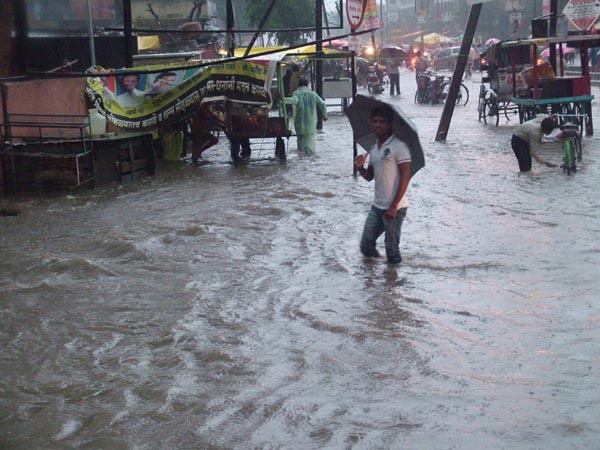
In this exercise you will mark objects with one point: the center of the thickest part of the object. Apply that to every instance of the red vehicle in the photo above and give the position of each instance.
(376, 80)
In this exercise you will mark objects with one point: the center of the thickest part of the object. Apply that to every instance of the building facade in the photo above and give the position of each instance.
(503, 19)
(404, 17)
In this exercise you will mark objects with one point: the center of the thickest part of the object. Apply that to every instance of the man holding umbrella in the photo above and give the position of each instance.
(390, 167)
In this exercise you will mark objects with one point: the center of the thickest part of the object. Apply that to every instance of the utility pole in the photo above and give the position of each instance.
(319, 50)
(459, 70)
(552, 31)
(230, 37)
(383, 37)
(90, 22)
(20, 48)
(514, 21)
(127, 31)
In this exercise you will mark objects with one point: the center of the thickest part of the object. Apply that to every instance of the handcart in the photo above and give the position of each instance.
(521, 83)
(245, 122)
(504, 66)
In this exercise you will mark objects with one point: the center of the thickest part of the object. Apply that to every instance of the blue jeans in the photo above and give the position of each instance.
(377, 224)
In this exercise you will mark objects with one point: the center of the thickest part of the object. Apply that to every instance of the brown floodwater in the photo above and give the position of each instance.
(228, 307)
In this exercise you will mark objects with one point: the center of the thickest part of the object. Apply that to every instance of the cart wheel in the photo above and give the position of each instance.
(280, 149)
(235, 150)
(491, 109)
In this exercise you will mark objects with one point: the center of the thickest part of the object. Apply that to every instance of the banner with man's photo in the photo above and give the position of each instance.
(146, 98)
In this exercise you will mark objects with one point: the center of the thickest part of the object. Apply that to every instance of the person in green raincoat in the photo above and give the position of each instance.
(306, 103)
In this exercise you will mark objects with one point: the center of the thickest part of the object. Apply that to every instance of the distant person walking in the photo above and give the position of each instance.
(394, 75)
(287, 90)
(287, 78)
(306, 104)
(594, 56)
(420, 64)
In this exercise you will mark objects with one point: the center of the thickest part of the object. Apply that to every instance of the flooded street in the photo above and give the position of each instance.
(228, 307)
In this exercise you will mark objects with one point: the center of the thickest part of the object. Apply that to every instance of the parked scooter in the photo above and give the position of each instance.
(374, 83)
(375, 80)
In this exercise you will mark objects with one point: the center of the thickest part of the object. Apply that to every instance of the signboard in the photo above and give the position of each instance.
(355, 11)
(513, 5)
(354, 43)
(546, 7)
(472, 2)
(140, 99)
(371, 23)
(582, 13)
(504, 84)
(515, 18)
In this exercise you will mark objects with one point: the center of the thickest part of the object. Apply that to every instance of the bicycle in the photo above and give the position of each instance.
(424, 81)
(489, 106)
(437, 94)
(462, 98)
(570, 136)
(433, 88)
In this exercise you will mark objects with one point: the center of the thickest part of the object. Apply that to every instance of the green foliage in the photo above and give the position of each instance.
(286, 14)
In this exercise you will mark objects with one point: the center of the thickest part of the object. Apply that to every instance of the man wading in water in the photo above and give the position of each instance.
(389, 166)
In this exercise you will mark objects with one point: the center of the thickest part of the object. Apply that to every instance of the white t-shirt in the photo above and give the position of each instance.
(385, 161)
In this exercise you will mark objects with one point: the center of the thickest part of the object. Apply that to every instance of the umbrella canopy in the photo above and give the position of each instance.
(393, 51)
(361, 62)
(433, 38)
(336, 43)
(566, 50)
(359, 115)
(491, 41)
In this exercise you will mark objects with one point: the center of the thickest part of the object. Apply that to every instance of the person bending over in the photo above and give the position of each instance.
(526, 140)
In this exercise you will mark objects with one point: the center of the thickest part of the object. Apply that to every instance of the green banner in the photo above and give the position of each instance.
(146, 98)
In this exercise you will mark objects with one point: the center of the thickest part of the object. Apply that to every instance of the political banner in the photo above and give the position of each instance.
(146, 98)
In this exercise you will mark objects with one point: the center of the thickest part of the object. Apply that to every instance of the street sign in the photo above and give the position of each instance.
(354, 43)
(515, 18)
(371, 23)
(472, 2)
(582, 13)
(355, 11)
(513, 5)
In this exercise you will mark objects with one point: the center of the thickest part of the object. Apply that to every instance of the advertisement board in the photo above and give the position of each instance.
(355, 11)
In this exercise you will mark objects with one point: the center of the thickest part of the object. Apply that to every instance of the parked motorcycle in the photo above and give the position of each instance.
(375, 83)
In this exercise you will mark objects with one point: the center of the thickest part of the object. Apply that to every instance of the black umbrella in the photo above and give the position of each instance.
(361, 62)
(359, 114)
(393, 52)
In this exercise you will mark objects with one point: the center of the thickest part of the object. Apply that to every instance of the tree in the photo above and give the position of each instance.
(286, 14)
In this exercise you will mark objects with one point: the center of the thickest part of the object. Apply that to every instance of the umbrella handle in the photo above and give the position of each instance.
(364, 157)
